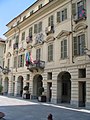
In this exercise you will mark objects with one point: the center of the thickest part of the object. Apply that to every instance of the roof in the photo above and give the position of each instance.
(2, 40)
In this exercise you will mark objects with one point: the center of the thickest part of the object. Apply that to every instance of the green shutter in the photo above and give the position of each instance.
(74, 9)
(39, 27)
(83, 42)
(62, 49)
(75, 48)
(52, 20)
(58, 17)
(35, 28)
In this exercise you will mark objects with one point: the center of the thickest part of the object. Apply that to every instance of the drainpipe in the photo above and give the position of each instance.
(72, 33)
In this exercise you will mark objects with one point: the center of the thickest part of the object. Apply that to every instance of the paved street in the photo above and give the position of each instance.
(18, 109)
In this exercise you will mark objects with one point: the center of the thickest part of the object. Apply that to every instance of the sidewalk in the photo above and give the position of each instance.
(61, 105)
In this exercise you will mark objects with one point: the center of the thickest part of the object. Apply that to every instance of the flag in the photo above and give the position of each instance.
(27, 59)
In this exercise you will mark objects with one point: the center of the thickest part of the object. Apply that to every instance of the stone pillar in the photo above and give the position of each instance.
(16, 86)
(24, 81)
(10, 88)
(88, 94)
(54, 91)
(74, 92)
(3, 84)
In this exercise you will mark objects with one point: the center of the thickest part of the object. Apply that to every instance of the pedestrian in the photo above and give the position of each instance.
(1, 115)
(50, 117)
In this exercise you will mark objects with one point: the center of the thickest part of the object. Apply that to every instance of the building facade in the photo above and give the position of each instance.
(2, 48)
(48, 45)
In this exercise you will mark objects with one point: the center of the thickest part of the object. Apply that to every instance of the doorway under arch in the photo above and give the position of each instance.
(20, 86)
(37, 83)
(64, 87)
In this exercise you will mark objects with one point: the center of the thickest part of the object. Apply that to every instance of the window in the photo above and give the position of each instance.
(4, 48)
(50, 53)
(49, 75)
(23, 36)
(40, 6)
(13, 78)
(64, 49)
(24, 17)
(79, 9)
(50, 0)
(10, 43)
(38, 28)
(61, 15)
(21, 61)
(79, 45)
(28, 76)
(8, 63)
(38, 52)
(50, 21)
(30, 31)
(82, 73)
(64, 14)
(35, 28)
(17, 38)
(58, 17)
(15, 62)
(18, 22)
(31, 12)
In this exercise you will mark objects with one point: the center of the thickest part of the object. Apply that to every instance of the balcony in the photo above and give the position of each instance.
(29, 39)
(37, 65)
(49, 30)
(5, 70)
(80, 16)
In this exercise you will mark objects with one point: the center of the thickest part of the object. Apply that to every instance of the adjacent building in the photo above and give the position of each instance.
(48, 45)
(2, 50)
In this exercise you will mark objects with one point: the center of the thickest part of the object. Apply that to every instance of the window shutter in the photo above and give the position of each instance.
(75, 46)
(65, 48)
(65, 13)
(49, 21)
(30, 31)
(62, 49)
(58, 17)
(35, 28)
(83, 42)
(39, 27)
(74, 9)
(52, 20)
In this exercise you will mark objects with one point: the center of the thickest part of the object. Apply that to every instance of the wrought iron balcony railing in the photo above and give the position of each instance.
(36, 65)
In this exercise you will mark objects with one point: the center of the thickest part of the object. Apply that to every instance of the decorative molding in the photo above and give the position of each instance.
(80, 26)
(50, 38)
(29, 46)
(21, 50)
(63, 33)
(39, 38)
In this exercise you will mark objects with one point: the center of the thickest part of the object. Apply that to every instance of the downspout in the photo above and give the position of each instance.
(72, 32)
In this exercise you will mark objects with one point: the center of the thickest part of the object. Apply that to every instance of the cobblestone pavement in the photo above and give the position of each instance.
(19, 109)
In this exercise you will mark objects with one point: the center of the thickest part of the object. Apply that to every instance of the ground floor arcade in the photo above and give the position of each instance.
(62, 85)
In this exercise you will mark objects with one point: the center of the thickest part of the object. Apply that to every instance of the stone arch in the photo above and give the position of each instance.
(20, 85)
(63, 33)
(6, 85)
(64, 87)
(37, 82)
(79, 27)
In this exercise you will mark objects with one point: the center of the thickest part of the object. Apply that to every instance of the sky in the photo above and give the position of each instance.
(9, 9)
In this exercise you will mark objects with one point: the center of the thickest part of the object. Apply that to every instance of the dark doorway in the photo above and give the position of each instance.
(82, 94)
